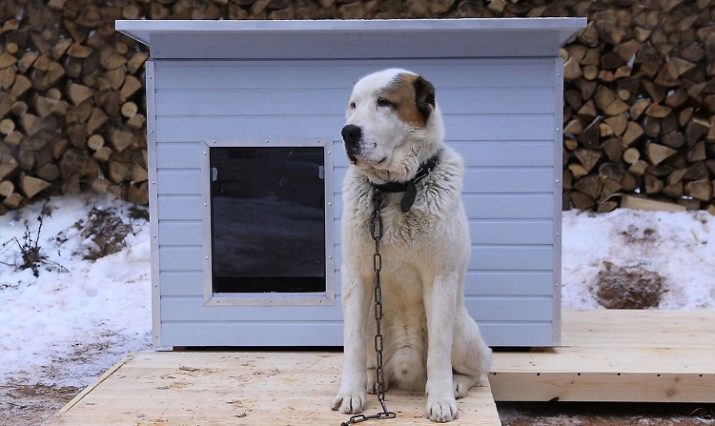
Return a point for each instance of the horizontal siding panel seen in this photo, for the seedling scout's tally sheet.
(325, 334)
(495, 232)
(506, 258)
(518, 334)
(531, 153)
(505, 232)
(302, 101)
(510, 308)
(485, 153)
(178, 182)
(251, 334)
(480, 308)
(193, 309)
(180, 233)
(187, 258)
(180, 155)
(488, 180)
(496, 206)
(509, 206)
(460, 127)
(501, 283)
(180, 207)
(482, 283)
(181, 283)
(536, 258)
(343, 74)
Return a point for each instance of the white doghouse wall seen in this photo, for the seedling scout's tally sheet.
(499, 85)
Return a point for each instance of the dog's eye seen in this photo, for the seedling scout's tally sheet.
(352, 105)
(382, 102)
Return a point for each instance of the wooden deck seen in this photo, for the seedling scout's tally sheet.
(626, 356)
(252, 388)
(655, 356)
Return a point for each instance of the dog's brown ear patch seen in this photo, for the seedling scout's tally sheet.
(424, 97)
(413, 97)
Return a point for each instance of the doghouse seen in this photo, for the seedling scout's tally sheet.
(246, 165)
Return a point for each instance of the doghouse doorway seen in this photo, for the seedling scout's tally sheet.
(266, 241)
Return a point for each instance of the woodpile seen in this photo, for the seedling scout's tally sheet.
(639, 93)
(64, 90)
(639, 113)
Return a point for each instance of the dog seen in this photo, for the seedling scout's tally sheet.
(394, 134)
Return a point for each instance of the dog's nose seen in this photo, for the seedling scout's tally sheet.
(351, 134)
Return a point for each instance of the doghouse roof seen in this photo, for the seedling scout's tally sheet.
(353, 39)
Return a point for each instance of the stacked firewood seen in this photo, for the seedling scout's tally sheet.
(71, 103)
(640, 106)
(639, 113)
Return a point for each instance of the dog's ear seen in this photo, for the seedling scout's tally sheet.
(424, 96)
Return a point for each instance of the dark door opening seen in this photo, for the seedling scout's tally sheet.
(267, 219)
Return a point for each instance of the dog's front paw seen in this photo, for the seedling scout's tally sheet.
(349, 402)
(442, 409)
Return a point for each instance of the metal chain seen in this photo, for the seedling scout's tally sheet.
(376, 234)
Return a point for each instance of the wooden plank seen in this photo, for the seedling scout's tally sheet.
(640, 203)
(605, 374)
(255, 388)
(616, 355)
(92, 386)
(639, 328)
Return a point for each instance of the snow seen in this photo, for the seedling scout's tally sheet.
(62, 329)
(680, 246)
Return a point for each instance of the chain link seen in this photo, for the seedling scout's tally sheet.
(376, 234)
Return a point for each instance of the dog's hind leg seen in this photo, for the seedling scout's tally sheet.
(471, 357)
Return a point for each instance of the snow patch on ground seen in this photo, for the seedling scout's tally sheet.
(78, 317)
(679, 246)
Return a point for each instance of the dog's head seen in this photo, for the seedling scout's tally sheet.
(393, 125)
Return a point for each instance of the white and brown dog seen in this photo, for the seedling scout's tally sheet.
(394, 133)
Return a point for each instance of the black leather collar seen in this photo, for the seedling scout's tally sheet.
(408, 187)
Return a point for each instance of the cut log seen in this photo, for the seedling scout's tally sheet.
(658, 153)
(638, 168)
(618, 123)
(590, 185)
(130, 87)
(102, 154)
(639, 108)
(577, 170)
(581, 201)
(95, 142)
(121, 139)
(12, 201)
(589, 137)
(572, 69)
(700, 189)
(632, 133)
(7, 126)
(674, 140)
(129, 109)
(6, 188)
(79, 93)
(631, 155)
(613, 148)
(657, 111)
(136, 121)
(31, 186)
(96, 120)
(696, 128)
(588, 158)
(653, 185)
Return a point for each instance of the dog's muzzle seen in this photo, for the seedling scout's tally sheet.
(352, 135)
